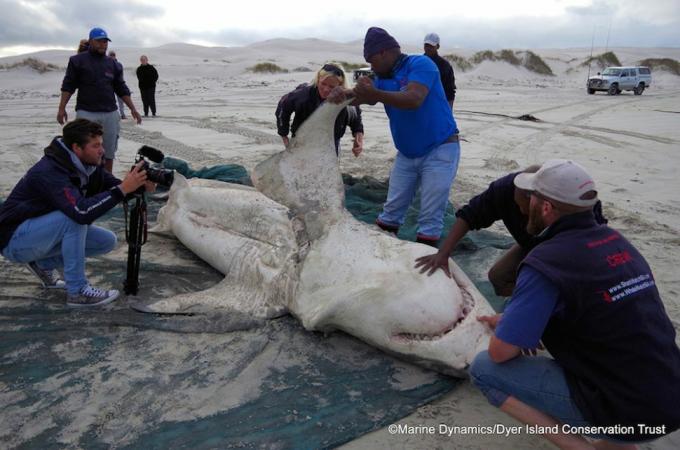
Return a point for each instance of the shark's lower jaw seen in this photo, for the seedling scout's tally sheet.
(468, 305)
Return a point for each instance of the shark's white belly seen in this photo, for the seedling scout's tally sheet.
(290, 245)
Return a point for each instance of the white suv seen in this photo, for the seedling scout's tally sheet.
(617, 79)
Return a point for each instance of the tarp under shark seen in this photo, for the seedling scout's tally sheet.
(116, 377)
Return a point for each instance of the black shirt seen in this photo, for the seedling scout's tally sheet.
(303, 101)
(447, 76)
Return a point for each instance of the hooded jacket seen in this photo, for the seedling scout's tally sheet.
(55, 183)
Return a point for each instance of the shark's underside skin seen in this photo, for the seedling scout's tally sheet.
(289, 246)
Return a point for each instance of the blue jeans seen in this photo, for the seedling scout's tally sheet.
(537, 381)
(55, 241)
(433, 174)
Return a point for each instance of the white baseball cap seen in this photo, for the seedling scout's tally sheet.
(562, 180)
(432, 39)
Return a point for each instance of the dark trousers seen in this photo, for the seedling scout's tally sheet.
(149, 100)
(503, 274)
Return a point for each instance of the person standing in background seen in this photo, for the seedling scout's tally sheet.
(98, 80)
(147, 76)
(121, 105)
(431, 45)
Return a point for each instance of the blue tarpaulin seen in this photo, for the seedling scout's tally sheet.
(114, 377)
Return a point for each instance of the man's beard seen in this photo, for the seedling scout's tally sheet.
(536, 223)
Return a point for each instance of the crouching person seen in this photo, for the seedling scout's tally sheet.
(590, 297)
(46, 222)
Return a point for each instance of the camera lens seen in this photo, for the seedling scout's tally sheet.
(164, 177)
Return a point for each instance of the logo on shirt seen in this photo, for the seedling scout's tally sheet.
(618, 259)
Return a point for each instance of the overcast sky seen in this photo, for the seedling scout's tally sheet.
(29, 25)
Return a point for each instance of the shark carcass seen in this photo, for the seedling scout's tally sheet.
(288, 245)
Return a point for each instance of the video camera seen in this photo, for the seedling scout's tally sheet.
(164, 177)
(136, 234)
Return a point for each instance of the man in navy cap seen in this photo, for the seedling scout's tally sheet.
(97, 78)
(423, 129)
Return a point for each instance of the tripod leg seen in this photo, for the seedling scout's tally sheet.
(137, 222)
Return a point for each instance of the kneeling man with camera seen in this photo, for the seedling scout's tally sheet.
(46, 222)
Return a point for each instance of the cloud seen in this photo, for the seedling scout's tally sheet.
(63, 23)
(527, 32)
(52, 23)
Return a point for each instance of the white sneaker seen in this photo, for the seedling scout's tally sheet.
(50, 279)
(92, 296)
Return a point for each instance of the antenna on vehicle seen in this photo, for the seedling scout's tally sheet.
(606, 47)
(590, 60)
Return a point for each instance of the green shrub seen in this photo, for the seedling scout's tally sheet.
(603, 60)
(348, 66)
(668, 64)
(34, 63)
(267, 67)
(536, 64)
(460, 62)
(484, 55)
(508, 56)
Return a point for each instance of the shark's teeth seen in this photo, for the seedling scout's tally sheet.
(468, 304)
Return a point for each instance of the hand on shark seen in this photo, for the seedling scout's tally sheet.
(431, 263)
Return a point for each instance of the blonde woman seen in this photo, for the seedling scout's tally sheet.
(303, 101)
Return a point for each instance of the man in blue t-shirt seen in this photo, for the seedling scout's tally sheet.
(423, 129)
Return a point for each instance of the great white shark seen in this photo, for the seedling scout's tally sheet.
(288, 245)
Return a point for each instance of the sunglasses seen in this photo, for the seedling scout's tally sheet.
(335, 70)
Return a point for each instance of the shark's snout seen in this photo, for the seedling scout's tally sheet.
(406, 336)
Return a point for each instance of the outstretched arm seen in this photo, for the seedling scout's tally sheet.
(440, 260)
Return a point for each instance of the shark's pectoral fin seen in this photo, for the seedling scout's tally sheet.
(225, 296)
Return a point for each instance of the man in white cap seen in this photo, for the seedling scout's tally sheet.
(590, 298)
(431, 45)
(98, 79)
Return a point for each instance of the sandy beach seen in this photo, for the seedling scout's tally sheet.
(213, 110)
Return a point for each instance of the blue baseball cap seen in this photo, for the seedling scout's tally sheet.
(98, 34)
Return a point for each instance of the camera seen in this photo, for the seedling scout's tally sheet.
(136, 228)
(164, 177)
(364, 72)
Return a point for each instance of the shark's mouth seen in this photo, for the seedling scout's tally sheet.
(468, 304)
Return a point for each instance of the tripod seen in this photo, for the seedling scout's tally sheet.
(135, 236)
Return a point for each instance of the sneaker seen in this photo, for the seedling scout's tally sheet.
(92, 296)
(50, 279)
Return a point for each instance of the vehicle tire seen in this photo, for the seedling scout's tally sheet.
(613, 89)
(639, 89)
(591, 91)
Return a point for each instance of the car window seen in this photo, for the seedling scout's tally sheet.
(625, 73)
(612, 72)
(644, 71)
